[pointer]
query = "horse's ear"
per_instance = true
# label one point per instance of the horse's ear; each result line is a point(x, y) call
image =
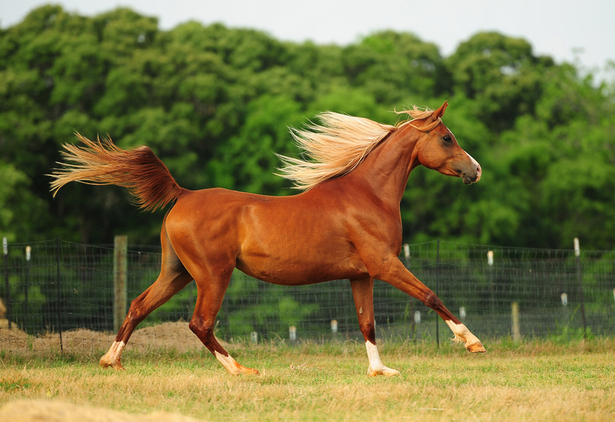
point(440, 111)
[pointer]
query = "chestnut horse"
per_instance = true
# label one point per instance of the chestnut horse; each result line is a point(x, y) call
point(346, 224)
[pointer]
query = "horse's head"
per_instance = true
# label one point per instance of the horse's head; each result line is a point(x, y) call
point(438, 149)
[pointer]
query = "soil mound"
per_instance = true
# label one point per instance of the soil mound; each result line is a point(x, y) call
point(168, 335)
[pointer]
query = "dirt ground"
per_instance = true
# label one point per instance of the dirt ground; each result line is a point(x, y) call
point(171, 335)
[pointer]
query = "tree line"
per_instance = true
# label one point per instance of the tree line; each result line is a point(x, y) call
point(215, 104)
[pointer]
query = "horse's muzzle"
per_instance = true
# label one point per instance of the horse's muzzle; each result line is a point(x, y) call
point(472, 176)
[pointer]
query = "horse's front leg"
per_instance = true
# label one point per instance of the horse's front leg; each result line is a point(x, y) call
point(363, 294)
point(397, 275)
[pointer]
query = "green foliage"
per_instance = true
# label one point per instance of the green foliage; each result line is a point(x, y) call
point(501, 74)
point(13, 181)
point(391, 66)
point(248, 162)
point(18, 205)
point(215, 103)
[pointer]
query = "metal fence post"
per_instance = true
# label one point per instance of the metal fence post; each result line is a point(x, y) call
point(410, 305)
point(5, 249)
point(59, 310)
point(27, 287)
point(491, 285)
point(119, 281)
point(577, 252)
point(438, 291)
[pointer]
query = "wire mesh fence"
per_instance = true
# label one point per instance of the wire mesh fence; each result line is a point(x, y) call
point(55, 289)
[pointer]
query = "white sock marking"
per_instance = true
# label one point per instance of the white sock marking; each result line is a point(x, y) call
point(228, 362)
point(462, 334)
point(113, 356)
point(376, 367)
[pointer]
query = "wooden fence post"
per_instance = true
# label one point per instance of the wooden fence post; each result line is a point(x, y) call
point(334, 335)
point(119, 281)
point(516, 332)
point(292, 332)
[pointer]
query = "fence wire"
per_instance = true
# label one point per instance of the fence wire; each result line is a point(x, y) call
point(61, 287)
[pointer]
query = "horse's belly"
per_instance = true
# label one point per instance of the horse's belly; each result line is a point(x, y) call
point(301, 269)
point(293, 241)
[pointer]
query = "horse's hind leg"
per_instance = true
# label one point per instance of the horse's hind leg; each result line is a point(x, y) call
point(211, 290)
point(363, 294)
point(173, 277)
point(157, 294)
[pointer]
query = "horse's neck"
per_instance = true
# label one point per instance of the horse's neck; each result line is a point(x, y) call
point(387, 168)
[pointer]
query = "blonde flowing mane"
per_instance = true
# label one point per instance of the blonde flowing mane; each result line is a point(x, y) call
point(338, 145)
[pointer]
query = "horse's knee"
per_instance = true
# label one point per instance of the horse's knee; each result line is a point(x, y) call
point(135, 312)
point(368, 330)
point(200, 328)
point(205, 332)
point(367, 327)
point(431, 300)
point(135, 306)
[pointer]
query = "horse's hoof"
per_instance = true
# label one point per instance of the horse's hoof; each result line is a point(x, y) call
point(112, 357)
point(476, 348)
point(248, 371)
point(116, 366)
point(106, 363)
point(387, 372)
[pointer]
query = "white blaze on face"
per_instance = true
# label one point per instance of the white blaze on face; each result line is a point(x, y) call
point(479, 170)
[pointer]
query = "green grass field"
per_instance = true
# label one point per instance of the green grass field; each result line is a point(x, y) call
point(533, 381)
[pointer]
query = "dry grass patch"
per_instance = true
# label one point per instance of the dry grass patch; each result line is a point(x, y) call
point(58, 411)
point(533, 381)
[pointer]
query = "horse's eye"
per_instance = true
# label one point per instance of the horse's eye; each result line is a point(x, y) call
point(447, 139)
